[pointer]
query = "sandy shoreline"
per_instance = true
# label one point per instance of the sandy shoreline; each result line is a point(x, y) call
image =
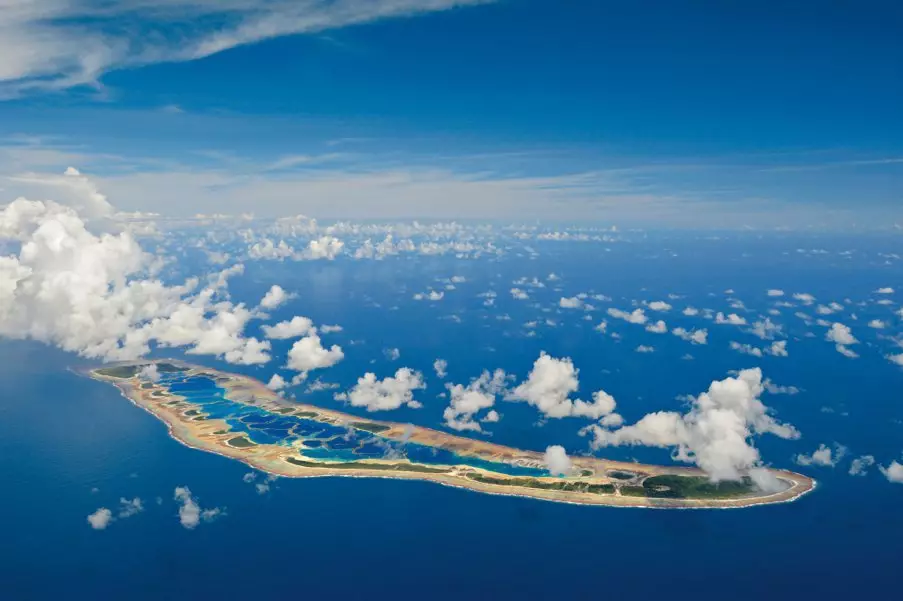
point(212, 436)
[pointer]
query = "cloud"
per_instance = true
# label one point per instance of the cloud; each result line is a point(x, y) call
point(658, 306)
point(190, 513)
point(715, 433)
point(733, 319)
point(466, 402)
point(55, 45)
point(276, 383)
point(637, 316)
point(440, 366)
point(329, 329)
point(860, 465)
point(643, 348)
point(659, 327)
point(805, 298)
point(557, 461)
point(886, 290)
point(94, 292)
point(386, 394)
point(519, 294)
point(823, 456)
point(842, 336)
point(298, 326)
point(775, 292)
point(893, 472)
point(149, 373)
point(101, 518)
point(746, 349)
point(695, 336)
point(274, 297)
point(765, 329)
point(549, 385)
point(570, 303)
point(392, 354)
point(130, 507)
point(325, 247)
point(309, 354)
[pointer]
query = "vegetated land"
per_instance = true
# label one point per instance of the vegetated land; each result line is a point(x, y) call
point(360, 465)
point(531, 483)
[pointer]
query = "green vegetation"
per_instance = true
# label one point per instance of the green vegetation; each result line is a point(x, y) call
point(240, 442)
point(120, 371)
point(360, 465)
point(192, 413)
point(562, 485)
point(170, 368)
point(619, 475)
point(221, 432)
point(694, 487)
point(633, 491)
point(369, 427)
point(586, 473)
point(284, 410)
point(306, 414)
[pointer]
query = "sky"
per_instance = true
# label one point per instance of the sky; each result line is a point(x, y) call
point(686, 114)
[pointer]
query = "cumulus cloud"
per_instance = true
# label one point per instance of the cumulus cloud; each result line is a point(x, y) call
point(860, 465)
point(746, 349)
point(392, 354)
point(695, 336)
point(765, 329)
point(893, 472)
point(557, 461)
point(298, 326)
point(658, 306)
point(149, 373)
point(823, 456)
point(549, 385)
point(775, 292)
point(276, 383)
point(715, 433)
point(637, 316)
point(466, 402)
point(325, 247)
point(190, 513)
point(440, 366)
point(805, 298)
point(659, 327)
point(886, 290)
point(101, 518)
point(842, 337)
point(733, 319)
point(274, 297)
point(570, 303)
point(95, 293)
point(389, 393)
point(519, 294)
point(309, 354)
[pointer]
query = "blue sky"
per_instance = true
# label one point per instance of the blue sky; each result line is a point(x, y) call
point(664, 113)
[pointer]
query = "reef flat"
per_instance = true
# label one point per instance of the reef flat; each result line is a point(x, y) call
point(238, 417)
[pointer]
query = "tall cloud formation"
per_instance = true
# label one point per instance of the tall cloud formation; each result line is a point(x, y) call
point(466, 401)
point(716, 432)
point(389, 393)
point(97, 294)
point(549, 386)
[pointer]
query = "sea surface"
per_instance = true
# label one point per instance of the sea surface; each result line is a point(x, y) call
point(70, 445)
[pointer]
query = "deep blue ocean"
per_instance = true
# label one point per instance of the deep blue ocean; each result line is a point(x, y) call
point(70, 445)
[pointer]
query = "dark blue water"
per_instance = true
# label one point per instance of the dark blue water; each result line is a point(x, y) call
point(62, 435)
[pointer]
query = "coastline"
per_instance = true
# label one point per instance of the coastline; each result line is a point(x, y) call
point(213, 436)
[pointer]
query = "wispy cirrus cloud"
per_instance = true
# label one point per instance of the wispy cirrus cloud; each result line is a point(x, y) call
point(59, 44)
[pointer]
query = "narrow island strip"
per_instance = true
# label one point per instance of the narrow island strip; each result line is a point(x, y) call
point(238, 417)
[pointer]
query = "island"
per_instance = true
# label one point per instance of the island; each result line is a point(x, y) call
point(239, 417)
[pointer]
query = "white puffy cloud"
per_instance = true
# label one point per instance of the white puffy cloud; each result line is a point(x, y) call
point(557, 461)
point(440, 366)
point(658, 306)
point(267, 250)
point(519, 294)
point(308, 354)
point(637, 316)
point(877, 324)
point(466, 402)
point(392, 354)
point(602, 327)
point(893, 472)
point(570, 303)
point(896, 359)
point(778, 348)
point(190, 513)
point(389, 393)
point(691, 311)
point(276, 383)
point(842, 336)
point(101, 518)
point(715, 433)
point(886, 290)
point(644, 348)
point(274, 297)
point(298, 326)
point(823, 456)
point(325, 247)
point(695, 336)
point(659, 327)
point(329, 329)
point(149, 373)
point(765, 329)
point(860, 465)
point(733, 319)
point(549, 385)
point(805, 298)
point(95, 294)
point(775, 292)
point(746, 349)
